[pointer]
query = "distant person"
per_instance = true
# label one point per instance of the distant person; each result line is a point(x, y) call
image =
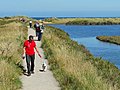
point(30, 24)
point(38, 30)
point(42, 27)
point(28, 49)
point(23, 20)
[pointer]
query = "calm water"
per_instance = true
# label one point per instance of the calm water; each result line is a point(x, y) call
point(86, 35)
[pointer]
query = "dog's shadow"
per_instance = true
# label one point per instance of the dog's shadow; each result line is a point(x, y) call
point(41, 70)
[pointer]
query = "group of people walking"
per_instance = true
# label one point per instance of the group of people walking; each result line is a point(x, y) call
point(39, 28)
point(30, 45)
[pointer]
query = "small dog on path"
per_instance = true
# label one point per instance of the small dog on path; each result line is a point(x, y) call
point(44, 66)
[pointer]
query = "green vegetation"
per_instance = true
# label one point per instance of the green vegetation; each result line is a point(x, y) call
point(85, 21)
point(110, 39)
point(58, 21)
point(95, 21)
point(74, 67)
point(12, 34)
point(72, 64)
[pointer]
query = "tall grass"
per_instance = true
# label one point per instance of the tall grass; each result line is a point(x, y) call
point(110, 39)
point(12, 34)
point(95, 21)
point(59, 21)
point(85, 21)
point(74, 67)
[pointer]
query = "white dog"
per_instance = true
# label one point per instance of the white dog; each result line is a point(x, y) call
point(44, 66)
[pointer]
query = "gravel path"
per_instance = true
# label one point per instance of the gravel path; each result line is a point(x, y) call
point(39, 80)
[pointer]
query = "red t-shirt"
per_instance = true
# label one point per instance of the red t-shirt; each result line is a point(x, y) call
point(29, 47)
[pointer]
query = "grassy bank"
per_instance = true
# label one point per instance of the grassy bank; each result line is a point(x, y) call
point(74, 67)
point(85, 21)
point(110, 39)
point(58, 21)
point(12, 34)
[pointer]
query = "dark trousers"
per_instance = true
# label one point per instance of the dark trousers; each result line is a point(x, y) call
point(30, 25)
point(39, 34)
point(30, 62)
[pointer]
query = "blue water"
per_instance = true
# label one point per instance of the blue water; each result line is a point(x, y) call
point(86, 35)
point(42, 18)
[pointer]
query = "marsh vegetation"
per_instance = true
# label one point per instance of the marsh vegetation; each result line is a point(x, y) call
point(110, 39)
point(73, 65)
point(85, 21)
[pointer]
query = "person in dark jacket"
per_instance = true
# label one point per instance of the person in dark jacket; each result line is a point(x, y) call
point(38, 30)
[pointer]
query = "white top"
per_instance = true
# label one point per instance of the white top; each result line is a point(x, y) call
point(30, 21)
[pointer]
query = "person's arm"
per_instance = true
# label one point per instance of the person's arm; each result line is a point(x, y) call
point(37, 51)
point(35, 26)
point(23, 53)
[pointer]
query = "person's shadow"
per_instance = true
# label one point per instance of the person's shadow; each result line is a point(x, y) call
point(24, 71)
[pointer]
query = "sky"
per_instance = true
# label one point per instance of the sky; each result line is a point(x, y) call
point(60, 8)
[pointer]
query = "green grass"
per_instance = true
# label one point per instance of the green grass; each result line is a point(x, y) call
point(12, 34)
point(58, 21)
point(73, 65)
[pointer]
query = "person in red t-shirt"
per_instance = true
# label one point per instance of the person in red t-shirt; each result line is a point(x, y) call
point(28, 49)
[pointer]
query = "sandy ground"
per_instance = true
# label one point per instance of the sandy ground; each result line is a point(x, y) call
point(39, 80)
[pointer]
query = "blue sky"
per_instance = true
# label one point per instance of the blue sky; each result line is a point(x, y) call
point(78, 8)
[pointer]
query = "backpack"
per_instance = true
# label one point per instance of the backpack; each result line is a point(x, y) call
point(42, 27)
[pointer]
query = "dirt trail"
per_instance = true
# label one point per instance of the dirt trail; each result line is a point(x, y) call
point(39, 80)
